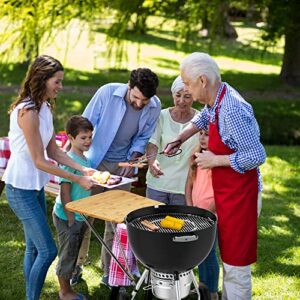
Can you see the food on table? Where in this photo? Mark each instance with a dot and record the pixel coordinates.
(101, 177)
(150, 225)
(170, 224)
(106, 178)
(114, 179)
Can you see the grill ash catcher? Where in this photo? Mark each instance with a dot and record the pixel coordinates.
(169, 255)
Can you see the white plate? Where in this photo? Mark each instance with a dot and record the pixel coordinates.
(125, 180)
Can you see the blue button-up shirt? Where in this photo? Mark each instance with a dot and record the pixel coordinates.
(106, 110)
(238, 130)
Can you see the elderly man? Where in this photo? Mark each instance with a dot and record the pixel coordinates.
(234, 154)
(124, 117)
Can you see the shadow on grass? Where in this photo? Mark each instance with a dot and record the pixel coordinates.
(12, 74)
(279, 222)
(12, 247)
(277, 246)
(216, 47)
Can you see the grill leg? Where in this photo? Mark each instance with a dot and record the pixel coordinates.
(139, 283)
(196, 285)
(177, 286)
(100, 239)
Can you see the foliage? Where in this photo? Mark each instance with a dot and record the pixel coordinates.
(27, 24)
(281, 18)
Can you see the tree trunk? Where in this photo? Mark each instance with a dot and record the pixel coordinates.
(221, 25)
(251, 14)
(290, 70)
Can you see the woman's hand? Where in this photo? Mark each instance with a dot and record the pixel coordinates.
(88, 171)
(86, 182)
(155, 169)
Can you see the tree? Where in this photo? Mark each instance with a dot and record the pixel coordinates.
(283, 19)
(25, 24)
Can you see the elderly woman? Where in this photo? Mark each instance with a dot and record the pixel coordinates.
(166, 175)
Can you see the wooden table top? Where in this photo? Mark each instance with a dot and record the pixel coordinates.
(112, 205)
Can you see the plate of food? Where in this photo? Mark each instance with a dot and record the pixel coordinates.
(110, 181)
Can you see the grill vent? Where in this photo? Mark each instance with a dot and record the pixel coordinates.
(191, 222)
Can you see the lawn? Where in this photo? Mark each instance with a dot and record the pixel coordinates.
(275, 275)
(246, 66)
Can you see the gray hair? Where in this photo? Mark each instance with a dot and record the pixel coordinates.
(177, 85)
(199, 63)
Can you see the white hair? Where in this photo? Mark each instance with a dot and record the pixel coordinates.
(177, 85)
(199, 63)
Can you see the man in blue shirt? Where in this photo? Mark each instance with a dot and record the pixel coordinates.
(124, 117)
(234, 155)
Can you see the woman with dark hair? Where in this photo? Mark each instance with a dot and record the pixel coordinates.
(31, 134)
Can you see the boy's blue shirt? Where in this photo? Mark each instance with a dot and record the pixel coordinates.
(77, 192)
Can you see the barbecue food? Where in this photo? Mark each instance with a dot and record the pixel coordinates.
(175, 220)
(150, 225)
(114, 179)
(101, 177)
(170, 224)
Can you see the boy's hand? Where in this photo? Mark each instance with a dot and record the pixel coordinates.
(71, 221)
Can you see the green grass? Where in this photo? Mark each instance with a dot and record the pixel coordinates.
(275, 275)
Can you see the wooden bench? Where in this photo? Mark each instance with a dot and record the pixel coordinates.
(51, 189)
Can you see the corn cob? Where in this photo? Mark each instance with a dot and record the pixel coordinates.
(170, 224)
(175, 220)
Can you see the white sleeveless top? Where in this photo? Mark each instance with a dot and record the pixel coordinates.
(20, 171)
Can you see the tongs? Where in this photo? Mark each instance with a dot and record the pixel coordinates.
(142, 161)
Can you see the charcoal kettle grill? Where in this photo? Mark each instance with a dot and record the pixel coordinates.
(169, 256)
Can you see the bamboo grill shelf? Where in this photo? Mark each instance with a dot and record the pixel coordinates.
(111, 206)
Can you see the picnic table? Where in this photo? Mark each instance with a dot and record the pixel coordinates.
(51, 188)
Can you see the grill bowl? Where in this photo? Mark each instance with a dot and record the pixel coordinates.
(170, 250)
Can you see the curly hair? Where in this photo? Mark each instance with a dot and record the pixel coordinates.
(145, 80)
(34, 84)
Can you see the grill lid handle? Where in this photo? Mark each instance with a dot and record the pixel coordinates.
(185, 238)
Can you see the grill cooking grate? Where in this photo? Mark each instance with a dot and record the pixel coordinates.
(191, 222)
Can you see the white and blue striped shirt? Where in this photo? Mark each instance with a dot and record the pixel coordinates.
(238, 130)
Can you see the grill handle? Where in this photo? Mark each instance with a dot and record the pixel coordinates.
(185, 238)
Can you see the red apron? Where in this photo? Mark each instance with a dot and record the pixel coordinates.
(236, 204)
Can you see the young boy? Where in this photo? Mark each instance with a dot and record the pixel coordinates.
(70, 226)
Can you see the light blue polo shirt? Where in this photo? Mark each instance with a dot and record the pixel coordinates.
(77, 192)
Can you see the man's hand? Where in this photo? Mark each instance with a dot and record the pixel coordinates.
(205, 159)
(155, 169)
(126, 172)
(208, 160)
(172, 147)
